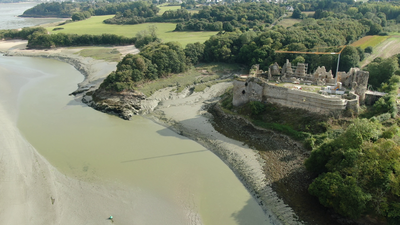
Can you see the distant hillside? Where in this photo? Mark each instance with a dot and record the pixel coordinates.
(13, 1)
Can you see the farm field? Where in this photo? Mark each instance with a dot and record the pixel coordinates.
(371, 40)
(387, 48)
(95, 26)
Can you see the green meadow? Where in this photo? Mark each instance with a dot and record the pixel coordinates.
(372, 40)
(95, 26)
(164, 8)
(101, 53)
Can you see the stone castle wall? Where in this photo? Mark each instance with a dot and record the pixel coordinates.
(245, 91)
(255, 90)
(312, 102)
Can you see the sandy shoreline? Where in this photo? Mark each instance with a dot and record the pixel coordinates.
(183, 113)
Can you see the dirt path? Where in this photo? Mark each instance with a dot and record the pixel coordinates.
(386, 49)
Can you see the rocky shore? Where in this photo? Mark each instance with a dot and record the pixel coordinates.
(123, 104)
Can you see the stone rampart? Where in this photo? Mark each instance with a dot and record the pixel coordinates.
(313, 102)
(254, 89)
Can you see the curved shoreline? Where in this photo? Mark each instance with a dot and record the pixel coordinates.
(187, 115)
(244, 162)
(35, 192)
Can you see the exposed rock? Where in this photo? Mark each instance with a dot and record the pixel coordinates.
(123, 104)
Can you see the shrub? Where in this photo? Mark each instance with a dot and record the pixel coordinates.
(257, 107)
(368, 49)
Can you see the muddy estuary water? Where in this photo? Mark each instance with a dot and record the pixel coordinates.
(175, 180)
(95, 147)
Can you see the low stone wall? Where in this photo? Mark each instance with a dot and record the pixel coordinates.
(312, 102)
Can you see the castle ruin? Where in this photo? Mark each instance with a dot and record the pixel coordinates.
(261, 86)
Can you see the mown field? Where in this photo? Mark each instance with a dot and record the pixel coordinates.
(371, 40)
(95, 25)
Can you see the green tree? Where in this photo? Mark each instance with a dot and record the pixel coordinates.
(349, 58)
(381, 72)
(298, 59)
(368, 49)
(341, 194)
(227, 26)
(296, 13)
(194, 52)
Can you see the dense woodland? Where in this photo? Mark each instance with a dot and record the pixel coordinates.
(358, 169)
(38, 38)
(155, 60)
(82, 10)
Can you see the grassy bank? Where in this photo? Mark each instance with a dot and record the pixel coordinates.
(95, 26)
(101, 53)
(200, 77)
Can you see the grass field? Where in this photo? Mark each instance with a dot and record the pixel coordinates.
(202, 76)
(166, 8)
(101, 53)
(95, 26)
(288, 21)
(372, 40)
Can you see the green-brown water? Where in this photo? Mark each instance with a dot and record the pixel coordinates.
(95, 147)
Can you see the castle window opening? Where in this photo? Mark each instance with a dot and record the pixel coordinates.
(245, 84)
(243, 92)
